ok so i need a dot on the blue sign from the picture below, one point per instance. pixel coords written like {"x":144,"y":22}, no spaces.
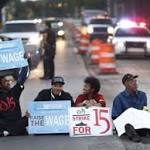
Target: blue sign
{"x":12,"y":55}
{"x":49,"y":117}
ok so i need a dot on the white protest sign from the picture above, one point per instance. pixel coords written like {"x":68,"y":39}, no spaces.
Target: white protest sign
{"x":94,"y":121}
{"x":137,"y":118}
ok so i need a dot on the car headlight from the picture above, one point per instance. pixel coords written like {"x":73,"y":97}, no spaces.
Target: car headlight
{"x":90,"y":29}
{"x":84,"y":30}
{"x":29,"y":54}
{"x":110,"y":30}
{"x":60,"y":24}
{"x":60,"y":32}
{"x":120,"y":45}
{"x":148,"y":45}
{"x":109,"y":40}
{"x":35,"y":40}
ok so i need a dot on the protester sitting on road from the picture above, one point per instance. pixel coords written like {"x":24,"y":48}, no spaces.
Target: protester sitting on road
{"x":55,"y":92}
{"x":130,"y":98}
{"x":91,"y":96}
{"x":11,"y":120}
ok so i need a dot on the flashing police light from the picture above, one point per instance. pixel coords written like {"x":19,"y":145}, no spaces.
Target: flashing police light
{"x":90,"y":29}
{"x":127,"y":23}
{"x":142,"y":24}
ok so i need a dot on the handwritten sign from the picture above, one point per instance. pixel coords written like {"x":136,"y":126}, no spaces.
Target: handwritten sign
{"x":12,"y":55}
{"x":49,"y":117}
{"x":94,"y":121}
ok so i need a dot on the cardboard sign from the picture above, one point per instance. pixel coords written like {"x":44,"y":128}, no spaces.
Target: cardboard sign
{"x":12,"y":55}
{"x":49,"y":117}
{"x":139,"y":119}
{"x":94,"y":121}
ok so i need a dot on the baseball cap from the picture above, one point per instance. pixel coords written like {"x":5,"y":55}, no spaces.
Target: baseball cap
{"x":58,"y":79}
{"x":128,"y":77}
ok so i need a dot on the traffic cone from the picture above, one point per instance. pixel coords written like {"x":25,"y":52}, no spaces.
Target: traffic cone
{"x":77,"y":36}
{"x":84,"y":44}
{"x":95,"y":50}
{"x":107,"y":63}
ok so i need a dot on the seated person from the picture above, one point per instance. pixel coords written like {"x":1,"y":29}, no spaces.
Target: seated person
{"x":130,"y":97}
{"x":55,"y":93}
{"x":11,"y":121}
{"x":90,"y":96}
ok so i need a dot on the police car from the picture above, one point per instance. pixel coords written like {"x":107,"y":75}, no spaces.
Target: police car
{"x":131,"y":37}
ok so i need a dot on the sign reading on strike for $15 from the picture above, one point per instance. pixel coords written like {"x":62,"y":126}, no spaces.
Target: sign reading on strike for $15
{"x":94,"y":121}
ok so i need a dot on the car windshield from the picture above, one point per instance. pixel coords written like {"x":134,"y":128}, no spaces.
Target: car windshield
{"x":100,"y":21}
{"x":20,"y":27}
{"x":54,"y":24}
{"x":138,"y":32}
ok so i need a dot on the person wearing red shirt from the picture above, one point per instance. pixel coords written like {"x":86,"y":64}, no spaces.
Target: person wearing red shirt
{"x":90,"y":96}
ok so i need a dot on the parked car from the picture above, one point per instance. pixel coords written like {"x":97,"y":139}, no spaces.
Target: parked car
{"x":57,"y":25}
{"x":131,"y":38}
{"x":29,"y":32}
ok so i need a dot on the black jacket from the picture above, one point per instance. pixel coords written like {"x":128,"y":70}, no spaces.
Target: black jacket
{"x":45,"y":95}
{"x":9,"y":103}
{"x":9,"y":100}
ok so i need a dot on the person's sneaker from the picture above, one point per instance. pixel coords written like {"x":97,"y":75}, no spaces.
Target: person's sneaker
{"x":131,"y":133}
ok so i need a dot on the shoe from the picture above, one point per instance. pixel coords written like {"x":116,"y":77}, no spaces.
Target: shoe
{"x":131,"y":133}
{"x":1,"y":134}
{"x":45,"y":78}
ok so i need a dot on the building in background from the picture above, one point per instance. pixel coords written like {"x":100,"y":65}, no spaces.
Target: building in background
{"x":137,"y":9}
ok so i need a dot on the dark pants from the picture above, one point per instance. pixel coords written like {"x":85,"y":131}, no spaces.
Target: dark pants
{"x":49,"y":67}
{"x":14,"y":128}
{"x":143,"y":132}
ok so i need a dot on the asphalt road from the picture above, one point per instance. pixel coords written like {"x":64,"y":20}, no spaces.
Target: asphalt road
{"x":71,"y":66}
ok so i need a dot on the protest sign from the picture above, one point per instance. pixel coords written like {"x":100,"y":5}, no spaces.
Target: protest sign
{"x":12,"y":54}
{"x":94,"y":121}
{"x":137,"y":118}
{"x":49,"y":117}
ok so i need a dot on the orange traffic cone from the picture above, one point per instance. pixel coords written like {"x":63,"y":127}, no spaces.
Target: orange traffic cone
{"x":84,"y":44}
{"x":107,"y":63}
{"x":95,"y":50}
{"x":77,"y":36}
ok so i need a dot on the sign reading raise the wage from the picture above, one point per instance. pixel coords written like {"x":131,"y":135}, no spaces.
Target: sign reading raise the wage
{"x":49,"y":117}
{"x":12,"y":54}
{"x":94,"y":121}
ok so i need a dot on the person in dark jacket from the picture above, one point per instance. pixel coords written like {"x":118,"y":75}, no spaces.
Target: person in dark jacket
{"x":55,"y":93}
{"x":91,"y":96}
{"x":49,"y":52}
{"x":11,"y":120}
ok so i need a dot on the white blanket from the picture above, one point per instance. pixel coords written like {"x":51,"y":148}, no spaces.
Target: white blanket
{"x":137,"y":118}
